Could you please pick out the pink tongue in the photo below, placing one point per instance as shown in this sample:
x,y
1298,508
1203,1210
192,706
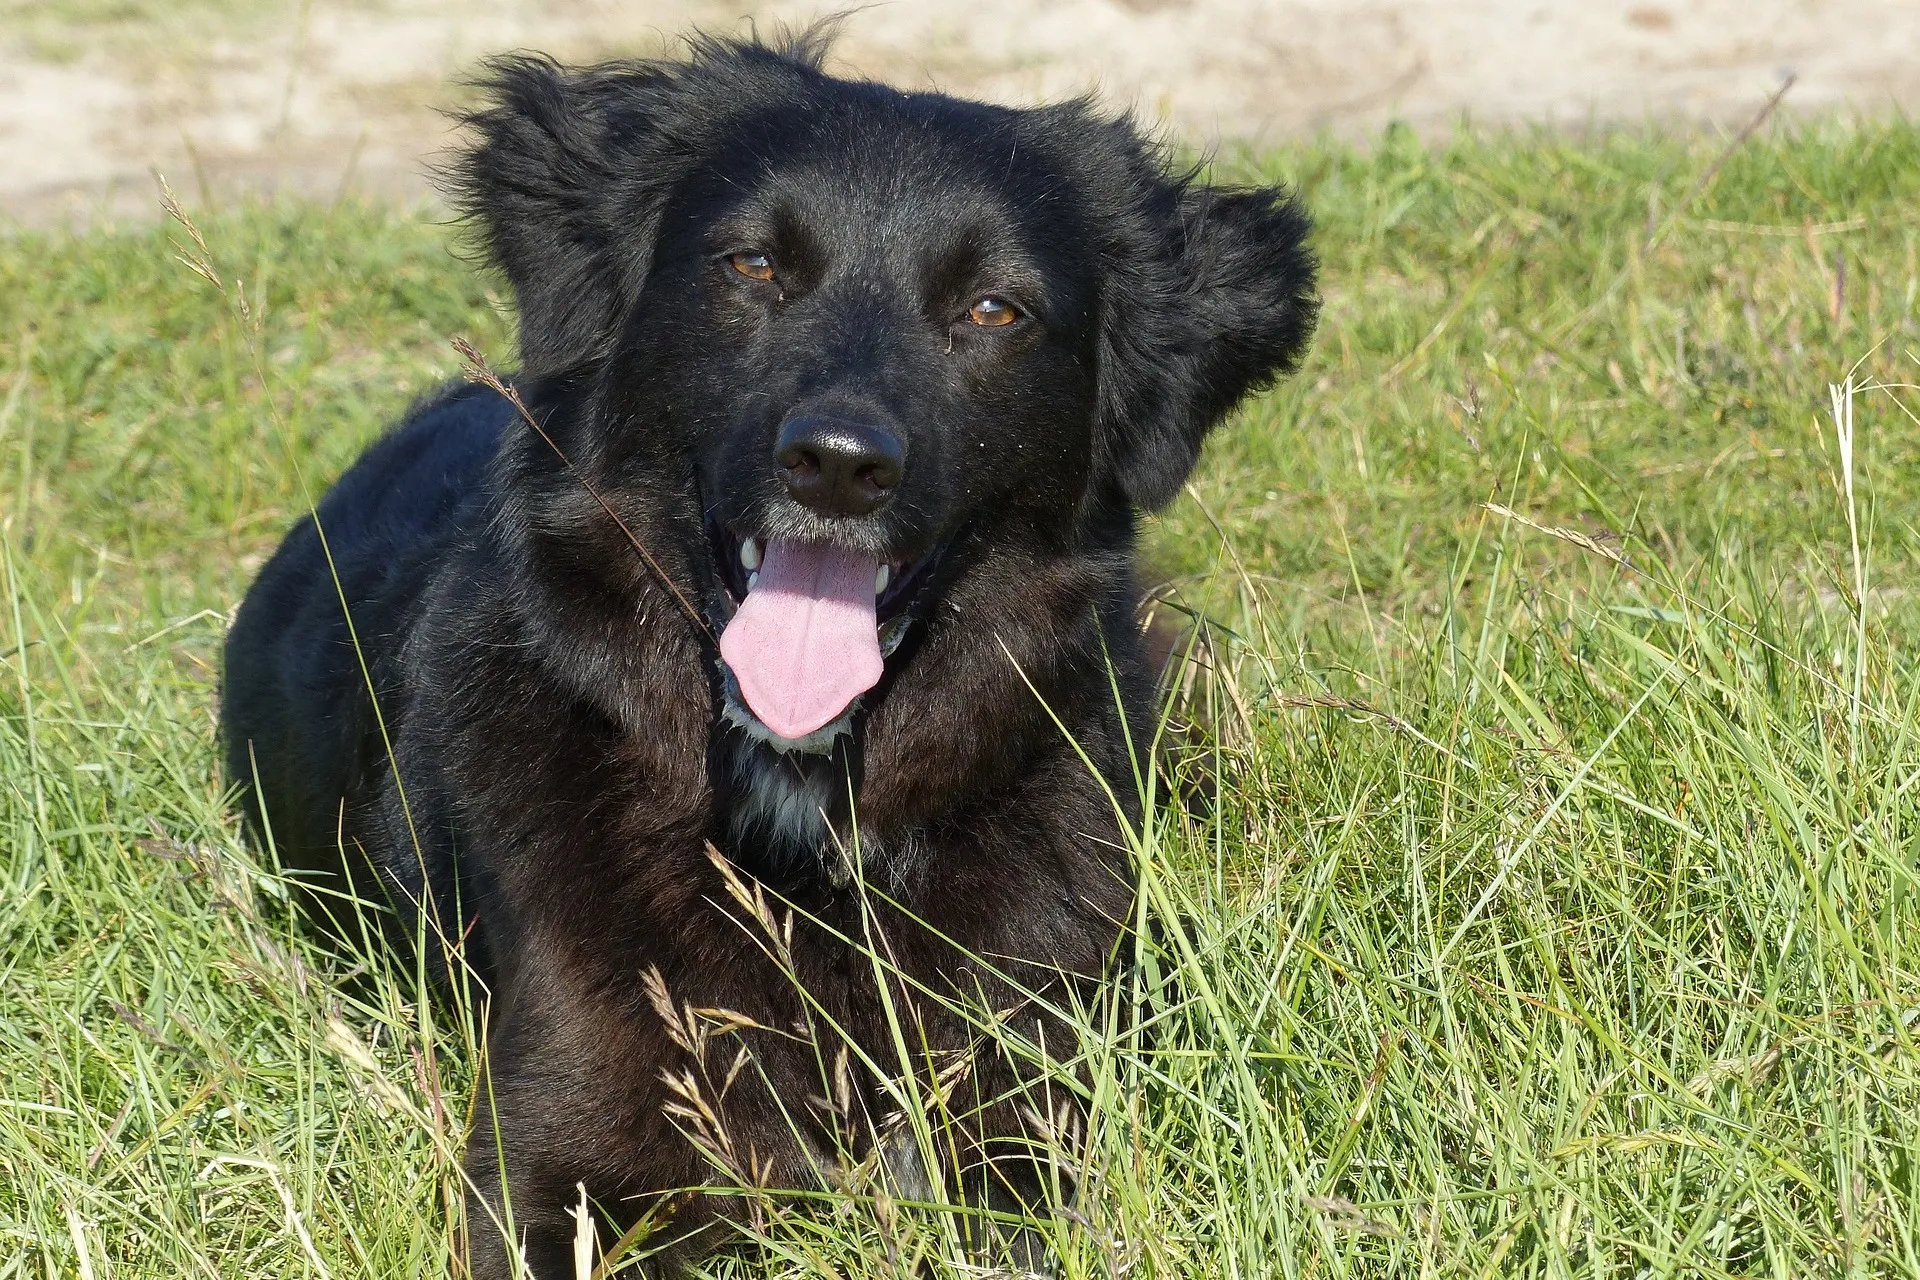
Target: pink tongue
x,y
804,643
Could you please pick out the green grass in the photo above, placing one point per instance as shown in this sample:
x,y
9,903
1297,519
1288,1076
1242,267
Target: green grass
x,y
1559,915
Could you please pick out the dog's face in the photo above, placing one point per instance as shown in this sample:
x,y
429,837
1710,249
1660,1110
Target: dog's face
x,y
875,331
878,330
877,320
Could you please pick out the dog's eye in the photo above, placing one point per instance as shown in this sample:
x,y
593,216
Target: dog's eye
x,y
754,266
991,313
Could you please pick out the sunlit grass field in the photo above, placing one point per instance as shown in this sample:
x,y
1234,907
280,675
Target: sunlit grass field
x,y
1557,912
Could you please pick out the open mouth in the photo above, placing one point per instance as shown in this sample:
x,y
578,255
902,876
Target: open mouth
x,y
811,627
894,581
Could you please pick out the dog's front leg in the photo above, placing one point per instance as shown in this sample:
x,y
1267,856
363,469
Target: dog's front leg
x,y
569,1096
584,1089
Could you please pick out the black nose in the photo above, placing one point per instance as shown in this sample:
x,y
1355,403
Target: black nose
x,y
838,468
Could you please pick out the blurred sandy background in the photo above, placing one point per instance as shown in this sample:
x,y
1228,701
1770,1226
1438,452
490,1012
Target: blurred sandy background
x,y
324,96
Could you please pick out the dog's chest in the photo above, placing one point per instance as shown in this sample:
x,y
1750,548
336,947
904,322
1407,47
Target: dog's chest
x,y
773,800
791,811
798,816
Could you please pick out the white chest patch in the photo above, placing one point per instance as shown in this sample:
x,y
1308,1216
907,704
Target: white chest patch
x,y
780,805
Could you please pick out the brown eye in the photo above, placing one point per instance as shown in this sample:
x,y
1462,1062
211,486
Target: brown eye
x,y
754,266
991,313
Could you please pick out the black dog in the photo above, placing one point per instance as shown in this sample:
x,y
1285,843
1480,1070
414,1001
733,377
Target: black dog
x,y
815,546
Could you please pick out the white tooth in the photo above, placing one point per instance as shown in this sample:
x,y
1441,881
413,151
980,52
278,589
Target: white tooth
x,y
750,555
881,577
753,580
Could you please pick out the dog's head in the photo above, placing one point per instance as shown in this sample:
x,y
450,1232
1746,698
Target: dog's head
x,y
878,330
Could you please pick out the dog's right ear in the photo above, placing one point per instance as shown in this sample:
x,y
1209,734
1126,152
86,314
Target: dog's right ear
x,y
566,202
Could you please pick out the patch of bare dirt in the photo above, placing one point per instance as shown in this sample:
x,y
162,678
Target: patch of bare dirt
x,y
324,96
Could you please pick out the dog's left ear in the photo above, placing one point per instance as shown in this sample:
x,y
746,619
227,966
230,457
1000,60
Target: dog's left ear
x,y
1217,301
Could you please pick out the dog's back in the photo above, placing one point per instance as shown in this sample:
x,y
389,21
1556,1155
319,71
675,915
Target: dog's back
x,y
317,631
